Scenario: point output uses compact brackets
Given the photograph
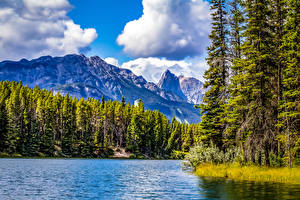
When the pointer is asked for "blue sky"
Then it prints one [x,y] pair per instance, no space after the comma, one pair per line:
[145,36]
[108,17]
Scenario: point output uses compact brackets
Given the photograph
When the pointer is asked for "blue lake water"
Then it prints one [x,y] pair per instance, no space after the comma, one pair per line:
[123,179]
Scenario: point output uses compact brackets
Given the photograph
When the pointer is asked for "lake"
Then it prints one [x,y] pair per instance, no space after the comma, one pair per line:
[123,179]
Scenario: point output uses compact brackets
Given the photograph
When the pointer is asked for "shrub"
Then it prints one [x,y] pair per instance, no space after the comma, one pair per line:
[202,153]
[140,157]
[16,155]
[4,155]
[129,148]
[276,161]
[132,155]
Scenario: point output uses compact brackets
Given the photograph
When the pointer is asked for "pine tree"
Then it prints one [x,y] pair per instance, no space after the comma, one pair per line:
[45,113]
[5,92]
[216,76]
[68,124]
[254,83]
[134,134]
[237,27]
[158,133]
[289,108]
[234,110]
[14,119]
[187,138]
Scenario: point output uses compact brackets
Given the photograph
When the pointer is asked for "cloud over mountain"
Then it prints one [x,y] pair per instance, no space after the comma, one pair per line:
[152,68]
[31,28]
[173,29]
[112,61]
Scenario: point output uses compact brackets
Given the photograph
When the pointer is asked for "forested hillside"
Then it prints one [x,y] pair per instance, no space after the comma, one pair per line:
[35,122]
[253,100]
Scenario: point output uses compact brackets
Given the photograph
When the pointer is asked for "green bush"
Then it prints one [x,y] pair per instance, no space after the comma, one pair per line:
[16,155]
[40,154]
[211,154]
[140,157]
[129,148]
[276,161]
[4,155]
[132,155]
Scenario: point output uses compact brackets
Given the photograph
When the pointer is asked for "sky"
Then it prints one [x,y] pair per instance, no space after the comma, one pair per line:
[145,36]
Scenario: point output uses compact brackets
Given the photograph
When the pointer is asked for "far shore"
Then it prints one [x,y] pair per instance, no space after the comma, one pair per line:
[83,158]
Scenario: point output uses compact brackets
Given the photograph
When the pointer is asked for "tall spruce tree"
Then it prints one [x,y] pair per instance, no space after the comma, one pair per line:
[289,108]
[234,116]
[254,82]
[216,76]
[237,27]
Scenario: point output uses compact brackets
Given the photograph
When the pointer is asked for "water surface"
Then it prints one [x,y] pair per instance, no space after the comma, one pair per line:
[123,179]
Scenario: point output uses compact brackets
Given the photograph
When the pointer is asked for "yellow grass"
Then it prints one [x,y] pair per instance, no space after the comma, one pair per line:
[250,173]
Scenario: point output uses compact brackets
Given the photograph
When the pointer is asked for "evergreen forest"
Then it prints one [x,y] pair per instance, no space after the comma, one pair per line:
[35,122]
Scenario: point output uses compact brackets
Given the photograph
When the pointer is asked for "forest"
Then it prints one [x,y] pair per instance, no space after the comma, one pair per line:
[251,111]
[39,123]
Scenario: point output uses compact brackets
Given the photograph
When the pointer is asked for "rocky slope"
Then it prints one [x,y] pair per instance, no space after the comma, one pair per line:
[192,88]
[188,88]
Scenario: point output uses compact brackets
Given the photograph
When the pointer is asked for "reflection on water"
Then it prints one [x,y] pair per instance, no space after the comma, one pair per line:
[123,179]
[214,188]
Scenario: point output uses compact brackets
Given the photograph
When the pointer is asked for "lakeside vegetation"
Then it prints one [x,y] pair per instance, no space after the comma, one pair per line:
[250,125]
[250,173]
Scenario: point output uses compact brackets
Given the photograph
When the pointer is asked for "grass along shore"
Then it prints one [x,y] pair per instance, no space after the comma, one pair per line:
[250,173]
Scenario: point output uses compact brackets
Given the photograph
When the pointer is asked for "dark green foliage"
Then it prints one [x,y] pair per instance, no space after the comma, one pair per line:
[216,76]
[257,108]
[289,104]
[35,122]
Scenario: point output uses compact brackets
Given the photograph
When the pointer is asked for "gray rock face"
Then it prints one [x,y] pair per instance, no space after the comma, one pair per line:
[92,77]
[188,88]
[170,82]
[192,88]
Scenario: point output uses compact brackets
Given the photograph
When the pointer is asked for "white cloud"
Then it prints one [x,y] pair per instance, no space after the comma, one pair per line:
[32,28]
[112,61]
[152,68]
[168,28]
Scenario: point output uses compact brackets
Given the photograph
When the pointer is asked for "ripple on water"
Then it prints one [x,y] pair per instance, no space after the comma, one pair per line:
[122,179]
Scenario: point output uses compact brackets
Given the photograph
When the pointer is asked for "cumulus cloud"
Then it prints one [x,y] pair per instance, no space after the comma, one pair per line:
[32,28]
[112,61]
[173,29]
[152,68]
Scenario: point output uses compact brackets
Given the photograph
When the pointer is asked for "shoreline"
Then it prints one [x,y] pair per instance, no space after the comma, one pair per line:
[236,172]
[82,158]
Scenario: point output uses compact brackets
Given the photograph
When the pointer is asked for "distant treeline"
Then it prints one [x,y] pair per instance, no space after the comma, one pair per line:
[35,122]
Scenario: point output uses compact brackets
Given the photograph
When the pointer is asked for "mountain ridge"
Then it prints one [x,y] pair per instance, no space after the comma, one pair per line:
[85,77]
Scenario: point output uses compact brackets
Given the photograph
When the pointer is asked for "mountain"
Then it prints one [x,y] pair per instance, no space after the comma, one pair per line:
[192,88]
[85,77]
[188,88]
[170,82]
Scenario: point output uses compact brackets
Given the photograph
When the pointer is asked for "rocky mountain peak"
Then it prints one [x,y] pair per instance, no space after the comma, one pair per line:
[188,88]
[192,88]
[170,82]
